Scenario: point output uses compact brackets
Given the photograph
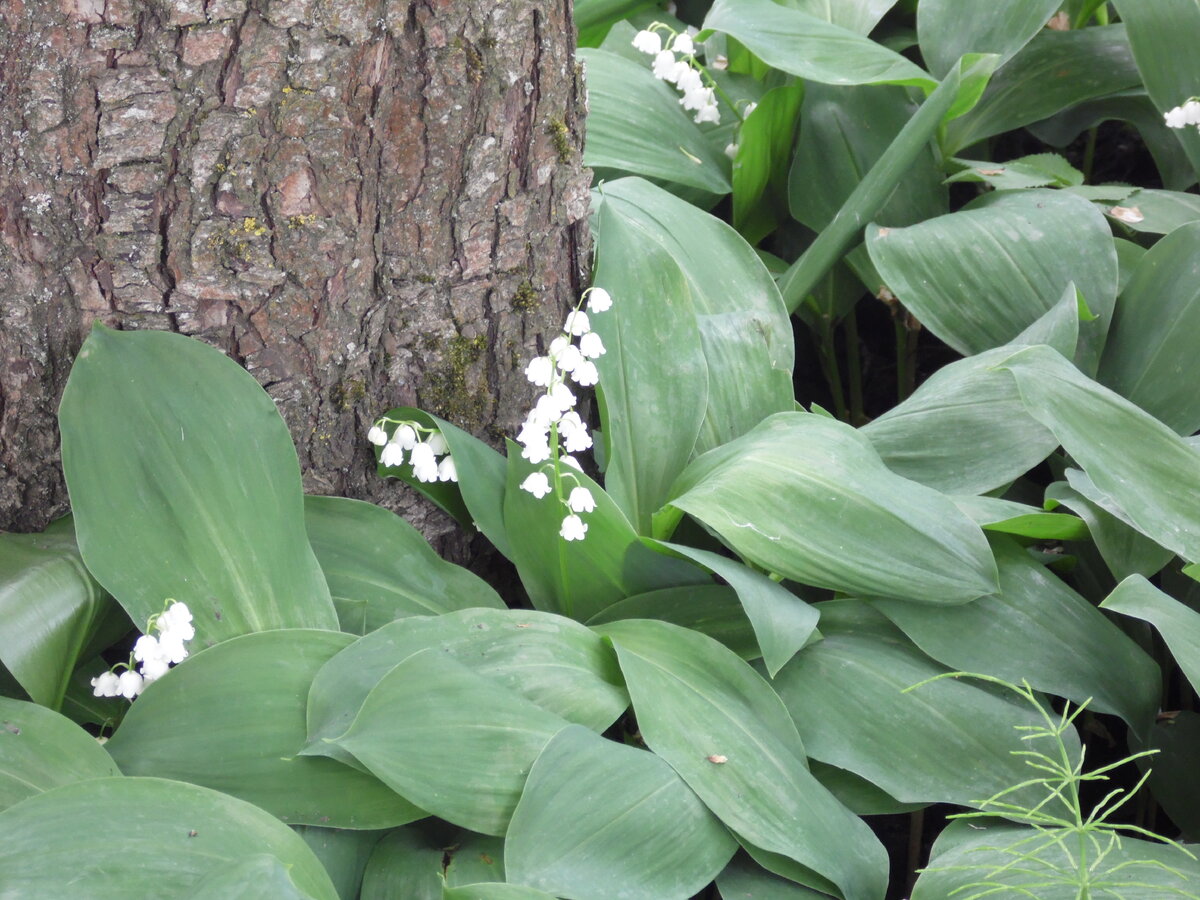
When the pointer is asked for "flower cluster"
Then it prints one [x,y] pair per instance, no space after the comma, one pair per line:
[553,430]
[682,71]
[156,654]
[424,445]
[1182,116]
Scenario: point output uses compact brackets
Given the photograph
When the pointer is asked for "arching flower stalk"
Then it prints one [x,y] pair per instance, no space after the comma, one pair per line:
[676,64]
[156,653]
[553,431]
[423,444]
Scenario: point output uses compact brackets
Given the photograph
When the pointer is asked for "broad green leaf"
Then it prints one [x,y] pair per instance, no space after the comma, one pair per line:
[593,18]
[1173,768]
[1055,71]
[456,743]
[966,852]
[760,166]
[653,377]
[1006,517]
[856,15]
[481,475]
[1038,170]
[844,132]
[185,727]
[554,662]
[261,877]
[343,853]
[857,794]
[407,862]
[957,93]
[494,891]
[711,609]
[48,605]
[184,484]
[142,837]
[727,734]
[963,431]
[1124,549]
[880,534]
[744,329]
[1012,254]
[947,29]
[41,750]
[474,858]
[379,568]
[1152,343]
[783,622]
[578,579]
[1147,470]
[846,695]
[599,820]
[743,879]
[1162,36]
[636,126]
[1178,624]
[1156,212]
[815,50]
[1038,629]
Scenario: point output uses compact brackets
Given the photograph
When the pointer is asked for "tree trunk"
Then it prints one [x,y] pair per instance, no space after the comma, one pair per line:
[366,203]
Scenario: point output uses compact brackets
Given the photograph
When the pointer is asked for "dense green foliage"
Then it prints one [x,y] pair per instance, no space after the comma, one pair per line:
[748,664]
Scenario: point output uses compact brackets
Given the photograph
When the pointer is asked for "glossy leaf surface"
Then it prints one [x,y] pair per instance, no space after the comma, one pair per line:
[185,485]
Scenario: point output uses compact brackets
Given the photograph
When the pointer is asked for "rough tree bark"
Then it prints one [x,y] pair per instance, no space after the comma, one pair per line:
[364,202]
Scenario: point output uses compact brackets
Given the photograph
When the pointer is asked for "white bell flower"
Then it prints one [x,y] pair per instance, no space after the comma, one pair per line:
[129,684]
[536,451]
[708,113]
[106,684]
[571,461]
[423,462]
[171,648]
[591,346]
[547,410]
[586,374]
[571,357]
[577,323]
[447,470]
[664,65]
[377,436]
[437,443]
[689,82]
[537,484]
[573,528]
[392,454]
[647,42]
[581,500]
[683,44]
[540,370]
[405,436]
[177,620]
[560,395]
[154,669]
[599,300]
